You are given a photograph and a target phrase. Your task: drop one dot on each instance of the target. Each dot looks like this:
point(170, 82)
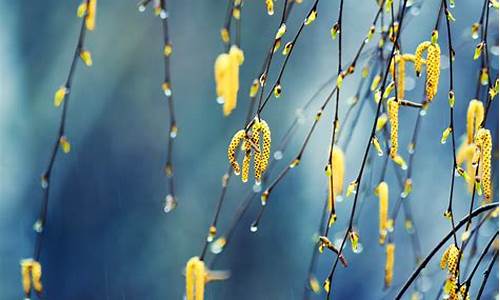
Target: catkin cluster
point(226, 69)
point(451, 260)
point(484, 145)
point(393, 110)
point(197, 275)
point(31, 274)
point(433, 63)
point(251, 142)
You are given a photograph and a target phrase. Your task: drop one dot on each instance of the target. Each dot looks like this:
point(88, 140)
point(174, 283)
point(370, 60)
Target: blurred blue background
point(107, 236)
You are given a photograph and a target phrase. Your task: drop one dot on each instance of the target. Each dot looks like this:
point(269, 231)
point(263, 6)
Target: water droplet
point(423, 112)
point(44, 182)
point(339, 198)
point(38, 226)
point(141, 8)
point(257, 188)
point(278, 155)
point(218, 246)
point(168, 92)
point(170, 203)
point(253, 228)
point(359, 249)
point(163, 14)
point(220, 100)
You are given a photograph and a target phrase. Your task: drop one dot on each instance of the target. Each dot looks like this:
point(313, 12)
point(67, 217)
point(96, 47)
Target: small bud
point(351, 188)
point(376, 145)
point(340, 80)
point(277, 90)
point(364, 71)
point(287, 48)
point(445, 135)
point(388, 90)
point(475, 30)
point(65, 145)
point(381, 121)
point(408, 186)
point(224, 35)
point(312, 16)
point(335, 30)
point(86, 57)
point(434, 36)
point(281, 31)
point(218, 246)
point(375, 82)
point(369, 36)
point(264, 197)
point(400, 162)
point(314, 284)
point(354, 237)
point(451, 98)
point(295, 163)
point(212, 231)
point(166, 89)
point(60, 95)
point(478, 50)
point(254, 88)
point(167, 50)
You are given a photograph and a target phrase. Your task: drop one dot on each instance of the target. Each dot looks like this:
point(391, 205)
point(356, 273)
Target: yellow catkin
point(245, 168)
point(226, 69)
point(231, 150)
point(266, 145)
point(251, 143)
point(26, 276)
point(433, 71)
point(453, 259)
point(400, 77)
point(382, 191)
point(444, 258)
point(463, 288)
point(484, 143)
point(36, 275)
point(389, 264)
point(393, 110)
point(475, 116)
point(418, 56)
point(31, 274)
point(195, 279)
point(398, 72)
point(91, 12)
point(256, 130)
point(197, 275)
